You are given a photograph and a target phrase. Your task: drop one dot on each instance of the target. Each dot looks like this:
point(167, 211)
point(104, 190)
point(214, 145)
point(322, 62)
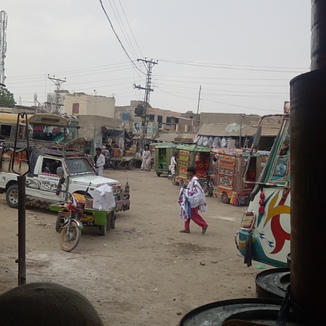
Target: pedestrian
point(148, 164)
point(145, 157)
point(191, 200)
point(99, 160)
point(173, 164)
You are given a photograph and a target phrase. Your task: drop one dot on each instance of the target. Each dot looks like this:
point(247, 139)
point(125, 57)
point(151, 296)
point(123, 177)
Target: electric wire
point(117, 36)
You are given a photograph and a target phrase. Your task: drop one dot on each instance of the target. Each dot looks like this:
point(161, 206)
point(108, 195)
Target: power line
point(224, 66)
point(115, 33)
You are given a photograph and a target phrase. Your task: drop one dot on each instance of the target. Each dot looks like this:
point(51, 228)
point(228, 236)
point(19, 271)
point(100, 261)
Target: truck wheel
point(12, 196)
point(58, 222)
point(102, 229)
point(158, 174)
point(112, 222)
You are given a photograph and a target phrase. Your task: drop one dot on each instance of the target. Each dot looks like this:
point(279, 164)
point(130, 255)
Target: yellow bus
point(8, 124)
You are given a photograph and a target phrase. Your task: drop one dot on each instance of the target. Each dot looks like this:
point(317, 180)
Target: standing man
point(191, 200)
point(99, 160)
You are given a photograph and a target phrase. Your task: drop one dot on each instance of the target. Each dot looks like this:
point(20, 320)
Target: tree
point(6, 98)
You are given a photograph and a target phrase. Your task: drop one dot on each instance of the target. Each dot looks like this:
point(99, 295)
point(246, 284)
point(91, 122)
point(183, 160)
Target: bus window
point(280, 170)
point(6, 131)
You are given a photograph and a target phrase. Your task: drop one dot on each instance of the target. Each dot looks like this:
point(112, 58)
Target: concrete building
point(163, 120)
point(82, 104)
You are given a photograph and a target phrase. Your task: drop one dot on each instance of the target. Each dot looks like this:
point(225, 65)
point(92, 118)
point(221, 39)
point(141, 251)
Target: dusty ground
point(144, 272)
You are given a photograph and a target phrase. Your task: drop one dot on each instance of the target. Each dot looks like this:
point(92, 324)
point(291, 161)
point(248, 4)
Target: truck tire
point(102, 229)
point(58, 222)
point(112, 222)
point(12, 196)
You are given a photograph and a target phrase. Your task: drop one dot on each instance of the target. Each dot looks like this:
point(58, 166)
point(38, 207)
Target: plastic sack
point(103, 198)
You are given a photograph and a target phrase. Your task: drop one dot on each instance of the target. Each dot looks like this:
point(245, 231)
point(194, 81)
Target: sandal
point(184, 231)
point(203, 230)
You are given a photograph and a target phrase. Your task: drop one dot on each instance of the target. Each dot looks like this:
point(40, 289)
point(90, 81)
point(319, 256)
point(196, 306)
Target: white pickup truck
point(44, 169)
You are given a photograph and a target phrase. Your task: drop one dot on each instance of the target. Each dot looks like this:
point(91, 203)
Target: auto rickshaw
point(192, 155)
point(162, 157)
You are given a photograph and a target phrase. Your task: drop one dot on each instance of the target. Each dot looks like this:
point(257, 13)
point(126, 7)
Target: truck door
point(48, 177)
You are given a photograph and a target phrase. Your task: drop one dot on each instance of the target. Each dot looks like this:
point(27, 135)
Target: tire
point(130, 164)
point(158, 174)
point(272, 283)
point(12, 196)
point(75, 235)
point(102, 229)
point(58, 222)
point(225, 198)
point(112, 221)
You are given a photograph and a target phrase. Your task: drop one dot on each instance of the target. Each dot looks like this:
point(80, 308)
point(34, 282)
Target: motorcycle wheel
point(69, 240)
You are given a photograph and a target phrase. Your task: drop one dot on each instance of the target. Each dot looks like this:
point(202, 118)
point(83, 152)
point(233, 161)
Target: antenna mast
point(3, 45)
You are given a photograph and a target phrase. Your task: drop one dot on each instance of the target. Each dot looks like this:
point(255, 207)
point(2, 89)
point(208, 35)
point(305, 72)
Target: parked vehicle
point(230, 185)
point(264, 234)
point(208, 186)
point(192, 155)
point(42, 178)
point(76, 213)
point(162, 157)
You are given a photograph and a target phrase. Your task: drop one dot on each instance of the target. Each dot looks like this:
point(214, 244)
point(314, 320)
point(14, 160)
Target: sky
point(226, 56)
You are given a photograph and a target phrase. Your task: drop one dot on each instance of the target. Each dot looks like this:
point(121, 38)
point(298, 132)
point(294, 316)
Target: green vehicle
point(162, 157)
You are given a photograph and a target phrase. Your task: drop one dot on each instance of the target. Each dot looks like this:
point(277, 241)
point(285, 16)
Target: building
point(82, 104)
point(160, 119)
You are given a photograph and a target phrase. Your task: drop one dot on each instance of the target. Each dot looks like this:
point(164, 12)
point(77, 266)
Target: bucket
point(233, 312)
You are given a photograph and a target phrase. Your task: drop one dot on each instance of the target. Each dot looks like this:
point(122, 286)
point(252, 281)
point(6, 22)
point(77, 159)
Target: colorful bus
point(264, 235)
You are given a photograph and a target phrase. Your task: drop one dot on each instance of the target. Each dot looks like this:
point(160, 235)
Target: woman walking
point(191, 200)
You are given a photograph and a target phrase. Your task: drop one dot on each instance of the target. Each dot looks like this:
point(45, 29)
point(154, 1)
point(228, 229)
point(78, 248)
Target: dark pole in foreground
point(21, 230)
point(308, 177)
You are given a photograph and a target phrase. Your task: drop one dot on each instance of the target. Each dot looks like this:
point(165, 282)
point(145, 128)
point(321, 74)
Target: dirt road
point(144, 272)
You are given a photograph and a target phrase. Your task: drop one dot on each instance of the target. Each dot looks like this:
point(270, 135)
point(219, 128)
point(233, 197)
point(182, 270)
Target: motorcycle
point(208, 185)
point(71, 213)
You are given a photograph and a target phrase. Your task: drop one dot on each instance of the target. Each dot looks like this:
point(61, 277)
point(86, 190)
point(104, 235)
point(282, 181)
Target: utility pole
point(147, 89)
point(57, 83)
point(197, 116)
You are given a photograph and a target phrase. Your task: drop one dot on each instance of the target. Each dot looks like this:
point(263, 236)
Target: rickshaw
point(162, 157)
point(192, 155)
point(230, 186)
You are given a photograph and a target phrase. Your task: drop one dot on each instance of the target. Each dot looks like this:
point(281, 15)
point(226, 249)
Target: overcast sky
point(241, 53)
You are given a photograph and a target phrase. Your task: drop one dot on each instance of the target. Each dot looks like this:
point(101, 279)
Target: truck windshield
point(79, 165)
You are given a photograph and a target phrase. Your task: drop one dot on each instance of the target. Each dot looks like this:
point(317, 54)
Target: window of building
point(75, 108)
point(168, 121)
point(160, 121)
point(176, 120)
point(151, 117)
point(125, 116)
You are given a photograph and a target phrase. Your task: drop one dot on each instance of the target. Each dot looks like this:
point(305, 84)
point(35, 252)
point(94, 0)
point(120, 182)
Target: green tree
point(6, 98)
